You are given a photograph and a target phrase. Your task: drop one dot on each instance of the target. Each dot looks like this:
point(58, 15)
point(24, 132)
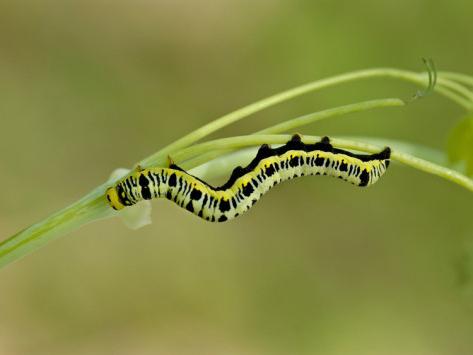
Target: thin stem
point(467, 105)
point(460, 89)
point(461, 78)
point(290, 125)
point(93, 206)
point(160, 157)
point(412, 161)
point(294, 123)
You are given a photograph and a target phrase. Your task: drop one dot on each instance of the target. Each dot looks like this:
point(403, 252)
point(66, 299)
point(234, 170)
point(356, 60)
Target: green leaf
point(460, 144)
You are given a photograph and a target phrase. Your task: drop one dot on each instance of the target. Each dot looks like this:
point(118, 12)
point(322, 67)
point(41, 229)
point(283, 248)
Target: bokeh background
point(317, 267)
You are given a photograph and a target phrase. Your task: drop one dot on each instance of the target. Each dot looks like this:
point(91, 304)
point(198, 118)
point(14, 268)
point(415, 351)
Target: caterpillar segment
point(245, 186)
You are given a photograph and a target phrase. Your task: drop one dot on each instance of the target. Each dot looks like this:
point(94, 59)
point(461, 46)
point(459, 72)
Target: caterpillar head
point(113, 199)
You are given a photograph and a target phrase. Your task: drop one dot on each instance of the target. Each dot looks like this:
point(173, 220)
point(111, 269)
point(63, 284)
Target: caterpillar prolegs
point(246, 185)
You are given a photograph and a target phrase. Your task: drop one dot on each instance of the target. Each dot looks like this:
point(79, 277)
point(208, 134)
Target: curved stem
point(461, 78)
point(160, 157)
point(460, 89)
point(93, 206)
point(287, 126)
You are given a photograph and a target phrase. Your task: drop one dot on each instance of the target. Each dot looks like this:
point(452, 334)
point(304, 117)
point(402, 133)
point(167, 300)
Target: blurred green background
point(317, 267)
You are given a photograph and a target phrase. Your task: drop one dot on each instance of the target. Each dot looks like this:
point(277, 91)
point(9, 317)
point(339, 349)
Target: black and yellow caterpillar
point(246, 185)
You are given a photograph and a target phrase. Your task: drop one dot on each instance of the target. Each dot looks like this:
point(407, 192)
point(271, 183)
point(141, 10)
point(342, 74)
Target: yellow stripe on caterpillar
point(246, 185)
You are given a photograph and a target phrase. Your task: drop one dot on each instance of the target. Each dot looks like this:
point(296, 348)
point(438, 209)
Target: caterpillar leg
point(325, 140)
point(172, 165)
point(177, 167)
point(139, 168)
point(295, 142)
point(170, 161)
point(236, 173)
point(263, 152)
point(296, 138)
point(324, 144)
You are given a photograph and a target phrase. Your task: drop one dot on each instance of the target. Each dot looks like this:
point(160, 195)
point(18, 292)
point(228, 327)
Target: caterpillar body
point(246, 185)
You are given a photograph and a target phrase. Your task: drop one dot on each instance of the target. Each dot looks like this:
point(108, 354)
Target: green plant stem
point(458, 88)
point(461, 78)
point(93, 206)
point(160, 157)
point(90, 208)
point(292, 124)
point(78, 214)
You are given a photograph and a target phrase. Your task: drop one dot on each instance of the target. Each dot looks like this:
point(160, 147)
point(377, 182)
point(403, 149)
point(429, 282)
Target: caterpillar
point(246, 185)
